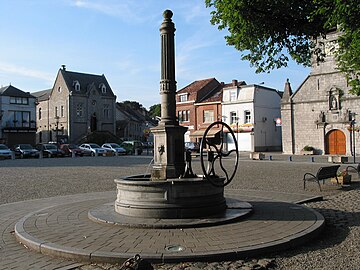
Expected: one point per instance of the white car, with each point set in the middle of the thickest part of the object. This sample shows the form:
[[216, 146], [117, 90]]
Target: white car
[[93, 149], [5, 152], [114, 147]]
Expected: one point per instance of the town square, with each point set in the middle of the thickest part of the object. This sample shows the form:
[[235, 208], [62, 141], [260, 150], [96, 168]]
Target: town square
[[241, 171]]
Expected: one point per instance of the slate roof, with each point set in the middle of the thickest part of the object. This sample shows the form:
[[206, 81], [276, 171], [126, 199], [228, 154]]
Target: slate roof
[[134, 115], [42, 95], [12, 91], [239, 83], [86, 81]]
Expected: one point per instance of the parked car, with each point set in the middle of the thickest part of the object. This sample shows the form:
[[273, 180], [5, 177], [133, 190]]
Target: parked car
[[132, 146], [70, 148], [93, 149], [114, 147], [192, 146], [49, 150], [5, 152], [25, 151]]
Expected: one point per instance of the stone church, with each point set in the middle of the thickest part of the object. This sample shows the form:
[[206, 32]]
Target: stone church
[[321, 113]]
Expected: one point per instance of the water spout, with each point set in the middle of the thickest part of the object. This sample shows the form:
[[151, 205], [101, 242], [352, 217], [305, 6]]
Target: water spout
[[148, 167]]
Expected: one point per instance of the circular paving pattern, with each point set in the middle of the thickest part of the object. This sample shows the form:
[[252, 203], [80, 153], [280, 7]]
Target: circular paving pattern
[[235, 211], [66, 231]]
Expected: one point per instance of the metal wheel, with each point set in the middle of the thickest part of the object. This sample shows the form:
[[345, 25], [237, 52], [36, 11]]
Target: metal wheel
[[214, 149]]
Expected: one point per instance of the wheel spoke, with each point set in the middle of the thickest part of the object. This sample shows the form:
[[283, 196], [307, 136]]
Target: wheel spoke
[[218, 145]]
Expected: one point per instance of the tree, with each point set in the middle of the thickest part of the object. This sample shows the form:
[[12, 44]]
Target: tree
[[133, 104], [268, 31], [155, 110]]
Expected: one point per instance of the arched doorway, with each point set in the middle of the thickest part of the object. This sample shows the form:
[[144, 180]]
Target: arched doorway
[[93, 123], [335, 142]]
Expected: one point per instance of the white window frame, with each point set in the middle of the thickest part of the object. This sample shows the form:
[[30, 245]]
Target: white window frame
[[233, 118], [183, 97], [233, 95], [247, 117], [208, 116], [77, 86]]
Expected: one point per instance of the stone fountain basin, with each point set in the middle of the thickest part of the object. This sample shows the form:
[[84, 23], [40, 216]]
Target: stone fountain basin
[[139, 196]]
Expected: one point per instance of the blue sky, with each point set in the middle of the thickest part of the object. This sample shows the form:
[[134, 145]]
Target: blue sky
[[121, 39]]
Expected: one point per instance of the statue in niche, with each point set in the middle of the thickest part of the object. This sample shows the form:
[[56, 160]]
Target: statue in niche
[[333, 103], [321, 117]]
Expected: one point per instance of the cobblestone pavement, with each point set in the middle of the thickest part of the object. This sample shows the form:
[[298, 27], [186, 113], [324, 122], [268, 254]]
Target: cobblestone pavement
[[337, 248]]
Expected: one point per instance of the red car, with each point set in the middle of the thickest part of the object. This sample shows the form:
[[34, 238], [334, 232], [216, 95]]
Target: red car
[[70, 148]]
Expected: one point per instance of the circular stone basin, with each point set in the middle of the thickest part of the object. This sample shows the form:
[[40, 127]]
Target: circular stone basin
[[139, 196]]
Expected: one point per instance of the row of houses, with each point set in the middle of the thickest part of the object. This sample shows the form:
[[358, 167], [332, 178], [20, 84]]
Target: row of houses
[[250, 110], [78, 105], [320, 114]]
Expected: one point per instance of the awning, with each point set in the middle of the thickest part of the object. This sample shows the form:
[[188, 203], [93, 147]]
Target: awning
[[200, 133]]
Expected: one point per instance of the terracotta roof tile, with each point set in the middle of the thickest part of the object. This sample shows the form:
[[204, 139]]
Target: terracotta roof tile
[[199, 90]]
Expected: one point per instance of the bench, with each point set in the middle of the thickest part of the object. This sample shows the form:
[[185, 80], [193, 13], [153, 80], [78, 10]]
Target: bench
[[353, 169], [322, 174]]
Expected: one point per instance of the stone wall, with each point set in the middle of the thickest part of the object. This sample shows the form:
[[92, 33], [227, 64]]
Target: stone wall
[[321, 104]]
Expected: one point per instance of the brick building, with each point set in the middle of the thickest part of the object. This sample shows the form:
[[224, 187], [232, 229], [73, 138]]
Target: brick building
[[320, 112], [198, 105], [250, 110]]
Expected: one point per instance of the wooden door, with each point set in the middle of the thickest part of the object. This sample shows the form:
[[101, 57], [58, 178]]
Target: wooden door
[[336, 143]]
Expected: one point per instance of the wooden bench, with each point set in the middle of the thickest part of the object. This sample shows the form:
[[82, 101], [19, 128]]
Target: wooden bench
[[353, 169], [322, 174]]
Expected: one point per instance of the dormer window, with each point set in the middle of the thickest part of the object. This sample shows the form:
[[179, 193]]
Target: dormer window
[[77, 85], [233, 95], [183, 97], [103, 88]]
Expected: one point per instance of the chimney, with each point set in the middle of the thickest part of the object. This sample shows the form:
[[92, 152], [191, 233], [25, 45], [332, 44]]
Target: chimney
[[234, 82], [63, 67], [287, 91]]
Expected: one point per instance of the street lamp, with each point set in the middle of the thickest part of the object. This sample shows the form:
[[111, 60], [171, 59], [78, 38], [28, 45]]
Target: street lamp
[[352, 132], [57, 132], [146, 137]]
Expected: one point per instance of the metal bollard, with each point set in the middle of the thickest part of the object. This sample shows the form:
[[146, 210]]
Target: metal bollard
[[290, 158], [41, 154], [72, 154], [12, 155], [312, 159], [270, 157]]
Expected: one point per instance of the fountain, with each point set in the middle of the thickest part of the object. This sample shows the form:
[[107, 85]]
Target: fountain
[[172, 191], [170, 214]]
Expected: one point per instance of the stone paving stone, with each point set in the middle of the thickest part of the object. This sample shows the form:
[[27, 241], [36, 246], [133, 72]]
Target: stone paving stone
[[147, 241], [344, 217]]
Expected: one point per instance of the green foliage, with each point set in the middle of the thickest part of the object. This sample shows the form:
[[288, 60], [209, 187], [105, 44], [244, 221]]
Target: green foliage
[[267, 31], [133, 104], [155, 110]]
